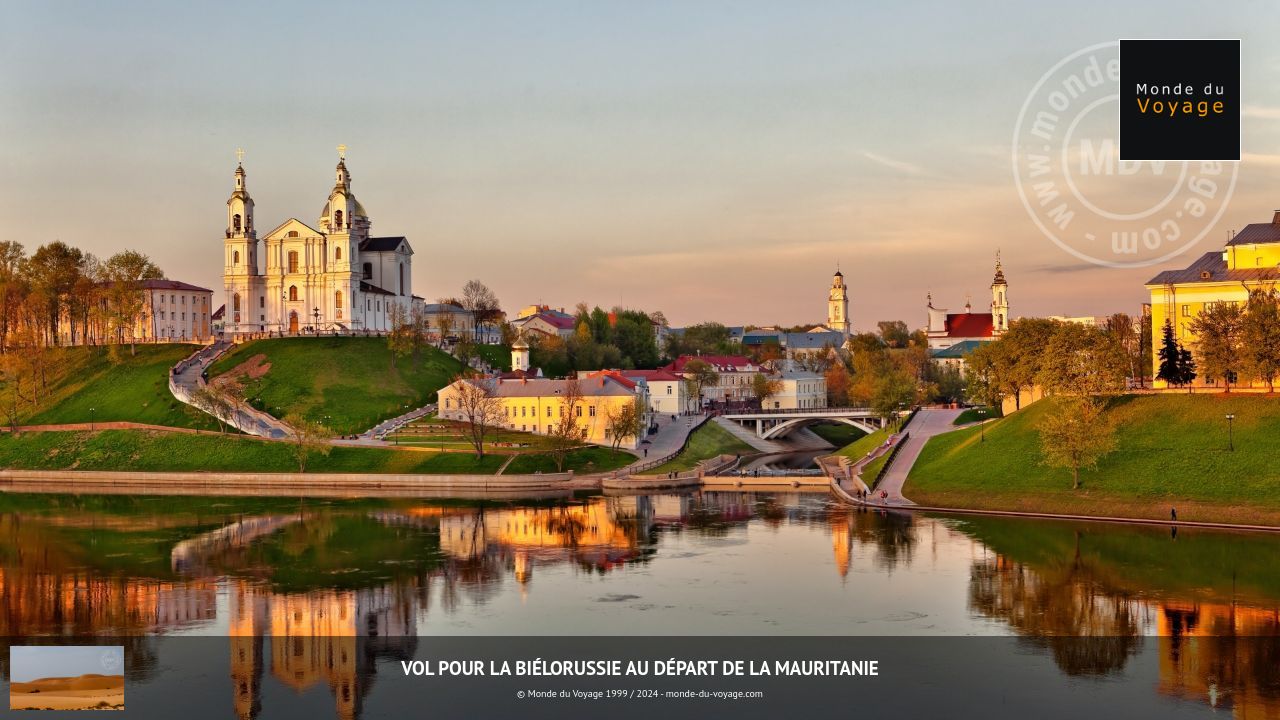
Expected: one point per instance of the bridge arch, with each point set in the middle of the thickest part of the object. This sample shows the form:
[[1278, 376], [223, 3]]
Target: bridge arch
[[785, 428]]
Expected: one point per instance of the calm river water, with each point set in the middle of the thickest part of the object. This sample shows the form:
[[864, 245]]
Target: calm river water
[[709, 563]]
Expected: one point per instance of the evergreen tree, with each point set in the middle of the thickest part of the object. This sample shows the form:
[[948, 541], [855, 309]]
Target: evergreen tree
[[1186, 371], [1170, 357]]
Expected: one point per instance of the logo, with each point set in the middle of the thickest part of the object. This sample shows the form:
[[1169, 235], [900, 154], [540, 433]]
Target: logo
[[1082, 196], [110, 660]]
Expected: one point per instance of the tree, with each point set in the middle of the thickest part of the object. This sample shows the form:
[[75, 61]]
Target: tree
[[214, 403], [698, 375], [1260, 336], [894, 391], [481, 302], [1186, 367], [1170, 356], [565, 433], [13, 288], [1081, 360], [894, 333], [764, 387], [627, 420], [126, 297], [1075, 435], [309, 438], [837, 385], [479, 407], [1218, 347], [1120, 327], [54, 270], [981, 383]]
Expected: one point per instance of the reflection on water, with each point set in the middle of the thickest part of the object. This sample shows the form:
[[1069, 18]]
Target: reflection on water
[[316, 593]]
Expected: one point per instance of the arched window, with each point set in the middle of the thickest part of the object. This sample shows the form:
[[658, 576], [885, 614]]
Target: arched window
[[235, 222], [235, 257], [401, 278], [293, 261], [293, 293], [337, 299], [337, 253], [337, 219], [235, 302], [368, 271]]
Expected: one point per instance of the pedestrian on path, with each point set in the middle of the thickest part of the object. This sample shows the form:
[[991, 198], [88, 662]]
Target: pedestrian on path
[[1173, 513]]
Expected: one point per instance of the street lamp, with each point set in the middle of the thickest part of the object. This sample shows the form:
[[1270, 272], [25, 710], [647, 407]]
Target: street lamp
[[1231, 445], [982, 426], [315, 326], [91, 419]]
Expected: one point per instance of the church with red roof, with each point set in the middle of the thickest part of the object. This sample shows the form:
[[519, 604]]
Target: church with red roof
[[946, 329]]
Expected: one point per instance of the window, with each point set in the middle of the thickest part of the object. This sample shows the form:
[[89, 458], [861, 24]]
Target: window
[[579, 410], [548, 411], [337, 253], [262, 301], [1186, 311], [235, 258], [235, 302], [235, 222], [401, 278], [293, 293], [293, 261], [337, 299], [367, 271], [591, 411], [337, 219]]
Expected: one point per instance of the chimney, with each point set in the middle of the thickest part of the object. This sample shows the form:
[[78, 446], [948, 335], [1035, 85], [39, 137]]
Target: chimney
[[1275, 219]]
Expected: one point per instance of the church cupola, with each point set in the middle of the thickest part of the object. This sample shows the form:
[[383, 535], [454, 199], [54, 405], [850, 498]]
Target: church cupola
[[342, 213], [838, 305], [240, 205], [999, 300]]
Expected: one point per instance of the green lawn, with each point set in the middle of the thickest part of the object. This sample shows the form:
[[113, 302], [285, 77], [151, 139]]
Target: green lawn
[[498, 356], [1171, 451], [864, 445], [89, 386], [706, 442], [972, 415], [347, 384], [174, 452], [585, 460], [873, 467], [838, 434]]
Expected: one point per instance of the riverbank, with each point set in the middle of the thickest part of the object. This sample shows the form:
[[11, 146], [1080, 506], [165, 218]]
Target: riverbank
[[1172, 451]]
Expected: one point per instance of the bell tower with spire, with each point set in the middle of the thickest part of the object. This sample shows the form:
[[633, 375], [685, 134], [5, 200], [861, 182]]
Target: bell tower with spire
[[838, 305], [999, 301], [241, 276]]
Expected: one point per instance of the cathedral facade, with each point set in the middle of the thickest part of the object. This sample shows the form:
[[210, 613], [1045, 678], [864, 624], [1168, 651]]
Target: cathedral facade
[[334, 277]]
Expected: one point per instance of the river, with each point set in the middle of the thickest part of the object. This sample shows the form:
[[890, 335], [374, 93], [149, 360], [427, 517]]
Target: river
[[702, 563]]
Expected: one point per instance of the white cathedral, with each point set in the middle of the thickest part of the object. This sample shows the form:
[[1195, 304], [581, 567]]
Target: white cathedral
[[336, 278]]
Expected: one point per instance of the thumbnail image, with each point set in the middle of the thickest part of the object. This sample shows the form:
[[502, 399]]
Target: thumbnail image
[[52, 677]]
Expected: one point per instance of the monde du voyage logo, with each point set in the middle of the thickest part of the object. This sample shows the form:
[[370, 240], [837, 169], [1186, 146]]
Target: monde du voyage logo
[[1123, 152]]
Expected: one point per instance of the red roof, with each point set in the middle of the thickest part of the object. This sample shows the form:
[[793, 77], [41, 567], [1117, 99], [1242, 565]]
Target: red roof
[[969, 325], [719, 362], [658, 375], [613, 375]]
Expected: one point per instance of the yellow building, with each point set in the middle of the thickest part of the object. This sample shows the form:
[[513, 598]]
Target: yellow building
[[1248, 261], [537, 404]]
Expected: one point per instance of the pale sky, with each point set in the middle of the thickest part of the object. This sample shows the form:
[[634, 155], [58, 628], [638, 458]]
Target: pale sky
[[713, 160], [32, 662]]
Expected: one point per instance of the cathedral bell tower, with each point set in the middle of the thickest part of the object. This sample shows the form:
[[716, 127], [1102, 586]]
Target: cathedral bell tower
[[999, 301], [838, 305], [241, 242]]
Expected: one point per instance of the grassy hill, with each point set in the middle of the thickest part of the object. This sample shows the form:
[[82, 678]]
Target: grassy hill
[[1171, 451], [347, 384], [706, 442], [148, 451], [132, 388]]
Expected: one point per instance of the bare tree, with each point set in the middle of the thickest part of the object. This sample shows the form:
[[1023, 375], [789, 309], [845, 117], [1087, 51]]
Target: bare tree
[[566, 433], [624, 422], [214, 403], [481, 302], [309, 438], [479, 408]]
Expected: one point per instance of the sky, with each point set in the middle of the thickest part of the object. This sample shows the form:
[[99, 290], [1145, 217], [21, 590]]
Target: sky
[[32, 662], [712, 160]]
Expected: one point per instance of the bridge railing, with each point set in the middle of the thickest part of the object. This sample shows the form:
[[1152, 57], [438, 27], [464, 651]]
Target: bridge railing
[[802, 411]]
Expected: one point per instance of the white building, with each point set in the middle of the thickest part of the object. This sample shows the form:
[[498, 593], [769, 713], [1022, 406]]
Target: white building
[[800, 389], [333, 277]]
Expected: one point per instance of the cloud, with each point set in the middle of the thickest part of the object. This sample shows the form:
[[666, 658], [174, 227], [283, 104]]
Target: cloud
[[900, 165], [1259, 111]]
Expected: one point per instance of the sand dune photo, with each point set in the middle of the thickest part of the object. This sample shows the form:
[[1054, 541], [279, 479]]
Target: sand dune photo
[[52, 677], [83, 692]]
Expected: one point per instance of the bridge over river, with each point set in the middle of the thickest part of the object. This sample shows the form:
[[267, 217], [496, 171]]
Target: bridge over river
[[775, 424]]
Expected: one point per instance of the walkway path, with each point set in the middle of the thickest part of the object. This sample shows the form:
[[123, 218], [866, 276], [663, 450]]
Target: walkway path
[[669, 439], [188, 376], [926, 423]]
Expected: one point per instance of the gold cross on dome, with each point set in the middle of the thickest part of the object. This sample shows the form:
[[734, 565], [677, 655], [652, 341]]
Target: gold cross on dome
[[342, 152], [239, 154]]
